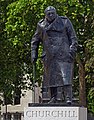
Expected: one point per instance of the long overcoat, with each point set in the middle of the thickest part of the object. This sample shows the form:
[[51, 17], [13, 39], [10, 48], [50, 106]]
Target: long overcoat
[[59, 46]]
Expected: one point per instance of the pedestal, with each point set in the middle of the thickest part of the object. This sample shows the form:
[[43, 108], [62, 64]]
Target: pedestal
[[55, 113]]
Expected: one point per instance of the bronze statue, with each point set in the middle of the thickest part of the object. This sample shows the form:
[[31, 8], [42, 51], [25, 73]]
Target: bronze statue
[[59, 41]]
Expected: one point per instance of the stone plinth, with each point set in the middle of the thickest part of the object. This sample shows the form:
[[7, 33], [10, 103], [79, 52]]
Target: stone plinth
[[55, 113]]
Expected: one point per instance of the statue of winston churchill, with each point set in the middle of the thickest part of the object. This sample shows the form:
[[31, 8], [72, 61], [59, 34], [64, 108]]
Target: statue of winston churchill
[[59, 41]]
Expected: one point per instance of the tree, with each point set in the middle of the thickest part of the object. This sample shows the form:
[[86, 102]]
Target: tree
[[15, 60], [19, 24], [4, 70]]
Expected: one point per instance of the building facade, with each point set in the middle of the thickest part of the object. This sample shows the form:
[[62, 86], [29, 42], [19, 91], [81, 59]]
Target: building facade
[[16, 112]]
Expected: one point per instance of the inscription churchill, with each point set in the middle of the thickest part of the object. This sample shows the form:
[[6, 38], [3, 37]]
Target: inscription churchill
[[56, 113], [57, 35]]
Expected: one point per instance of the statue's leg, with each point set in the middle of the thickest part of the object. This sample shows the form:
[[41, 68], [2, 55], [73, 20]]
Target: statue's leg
[[68, 94], [53, 91], [67, 77]]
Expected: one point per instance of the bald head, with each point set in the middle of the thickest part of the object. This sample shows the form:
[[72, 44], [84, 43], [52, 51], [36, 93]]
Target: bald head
[[50, 13], [49, 8]]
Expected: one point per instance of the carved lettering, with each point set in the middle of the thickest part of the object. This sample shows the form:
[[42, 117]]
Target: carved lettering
[[74, 114], [34, 113], [53, 113], [65, 113], [47, 113], [69, 114], [41, 114], [60, 113], [28, 113]]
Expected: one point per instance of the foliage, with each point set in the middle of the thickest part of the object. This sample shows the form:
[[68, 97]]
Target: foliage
[[19, 20], [91, 100]]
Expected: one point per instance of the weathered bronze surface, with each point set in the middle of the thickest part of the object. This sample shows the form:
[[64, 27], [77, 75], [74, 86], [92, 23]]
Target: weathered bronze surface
[[59, 40]]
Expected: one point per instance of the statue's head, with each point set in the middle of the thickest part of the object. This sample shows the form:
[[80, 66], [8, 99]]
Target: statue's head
[[50, 13]]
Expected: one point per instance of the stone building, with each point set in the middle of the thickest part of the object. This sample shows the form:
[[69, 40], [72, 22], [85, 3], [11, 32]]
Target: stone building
[[16, 111]]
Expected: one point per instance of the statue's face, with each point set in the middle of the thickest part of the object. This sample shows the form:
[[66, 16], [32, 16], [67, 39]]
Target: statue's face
[[50, 15]]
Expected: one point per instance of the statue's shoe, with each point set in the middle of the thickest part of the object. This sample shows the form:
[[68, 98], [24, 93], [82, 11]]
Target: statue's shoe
[[69, 102]]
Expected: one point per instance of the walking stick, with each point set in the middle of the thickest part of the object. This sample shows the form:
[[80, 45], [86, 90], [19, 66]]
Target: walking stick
[[34, 78]]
